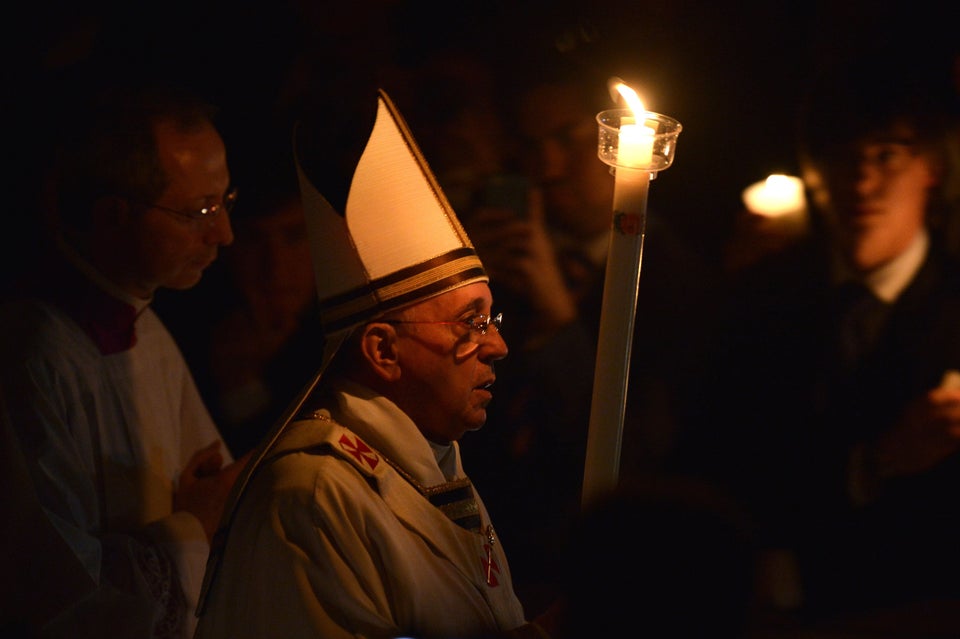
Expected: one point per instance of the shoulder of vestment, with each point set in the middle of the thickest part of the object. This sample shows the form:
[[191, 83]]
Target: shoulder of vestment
[[317, 433]]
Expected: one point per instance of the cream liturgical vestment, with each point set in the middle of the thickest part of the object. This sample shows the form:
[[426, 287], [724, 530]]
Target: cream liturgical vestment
[[356, 526], [106, 415]]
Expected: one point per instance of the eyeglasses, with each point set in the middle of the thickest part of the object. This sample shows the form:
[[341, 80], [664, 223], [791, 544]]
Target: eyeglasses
[[207, 212], [478, 325], [887, 157]]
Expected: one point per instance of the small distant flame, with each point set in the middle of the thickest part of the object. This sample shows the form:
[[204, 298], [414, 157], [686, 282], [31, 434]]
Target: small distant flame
[[778, 181]]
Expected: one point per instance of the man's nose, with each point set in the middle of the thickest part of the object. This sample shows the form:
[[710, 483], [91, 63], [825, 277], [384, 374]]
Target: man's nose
[[493, 345], [219, 230], [867, 178]]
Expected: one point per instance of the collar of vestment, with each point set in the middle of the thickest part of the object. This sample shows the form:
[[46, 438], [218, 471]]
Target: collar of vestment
[[456, 499], [104, 312], [435, 471], [384, 426]]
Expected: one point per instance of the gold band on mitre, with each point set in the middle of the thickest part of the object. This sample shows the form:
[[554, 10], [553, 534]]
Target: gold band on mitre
[[402, 288], [398, 241]]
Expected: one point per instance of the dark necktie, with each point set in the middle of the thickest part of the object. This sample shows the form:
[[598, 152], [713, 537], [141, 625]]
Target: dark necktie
[[862, 319]]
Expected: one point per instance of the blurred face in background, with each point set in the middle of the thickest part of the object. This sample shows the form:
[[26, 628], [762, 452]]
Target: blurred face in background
[[558, 138], [874, 193], [271, 262]]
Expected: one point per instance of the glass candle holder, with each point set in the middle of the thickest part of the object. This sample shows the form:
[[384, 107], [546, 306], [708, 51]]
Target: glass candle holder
[[665, 133]]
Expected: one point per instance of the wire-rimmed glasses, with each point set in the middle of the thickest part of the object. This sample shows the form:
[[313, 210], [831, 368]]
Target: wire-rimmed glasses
[[477, 325], [205, 213]]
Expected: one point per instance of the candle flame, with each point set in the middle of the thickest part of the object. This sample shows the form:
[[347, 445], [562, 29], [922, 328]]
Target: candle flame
[[778, 195], [631, 97]]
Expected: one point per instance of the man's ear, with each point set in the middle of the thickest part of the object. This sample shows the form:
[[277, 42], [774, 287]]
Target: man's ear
[[379, 345]]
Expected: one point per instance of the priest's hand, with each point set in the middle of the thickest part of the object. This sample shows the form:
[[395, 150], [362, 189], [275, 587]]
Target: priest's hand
[[205, 485]]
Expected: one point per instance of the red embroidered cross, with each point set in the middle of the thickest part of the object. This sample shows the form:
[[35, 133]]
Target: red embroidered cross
[[360, 451], [490, 566]]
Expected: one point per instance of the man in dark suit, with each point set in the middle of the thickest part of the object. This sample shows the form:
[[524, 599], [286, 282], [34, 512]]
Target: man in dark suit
[[831, 361]]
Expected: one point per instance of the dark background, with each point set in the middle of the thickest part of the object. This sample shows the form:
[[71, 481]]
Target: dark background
[[731, 73]]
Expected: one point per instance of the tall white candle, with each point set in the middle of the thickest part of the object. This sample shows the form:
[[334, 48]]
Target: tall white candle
[[618, 311]]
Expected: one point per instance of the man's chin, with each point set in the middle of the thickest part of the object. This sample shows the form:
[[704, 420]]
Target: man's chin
[[185, 280], [477, 422]]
